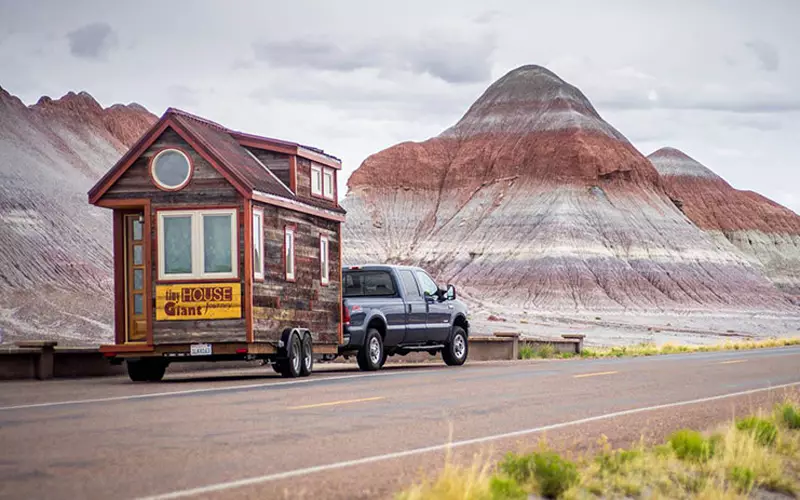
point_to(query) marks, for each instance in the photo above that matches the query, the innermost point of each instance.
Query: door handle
(409, 308)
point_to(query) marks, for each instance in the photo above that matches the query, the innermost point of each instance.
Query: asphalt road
(345, 434)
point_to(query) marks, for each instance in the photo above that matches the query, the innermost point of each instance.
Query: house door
(135, 294)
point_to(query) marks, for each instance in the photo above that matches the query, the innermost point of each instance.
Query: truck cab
(394, 310)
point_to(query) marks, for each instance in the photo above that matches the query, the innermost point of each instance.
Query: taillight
(345, 315)
(241, 350)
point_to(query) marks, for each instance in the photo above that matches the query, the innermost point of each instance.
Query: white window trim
(287, 231)
(154, 172)
(329, 173)
(324, 260)
(318, 191)
(198, 255)
(258, 236)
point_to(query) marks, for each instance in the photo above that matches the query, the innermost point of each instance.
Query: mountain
(767, 233)
(55, 250)
(533, 201)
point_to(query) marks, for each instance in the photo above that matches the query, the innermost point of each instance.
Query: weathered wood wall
(305, 303)
(304, 184)
(278, 163)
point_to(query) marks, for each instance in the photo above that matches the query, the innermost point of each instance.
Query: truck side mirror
(450, 294)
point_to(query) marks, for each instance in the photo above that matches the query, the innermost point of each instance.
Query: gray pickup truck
(395, 310)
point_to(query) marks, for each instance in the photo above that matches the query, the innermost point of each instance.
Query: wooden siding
(278, 163)
(304, 183)
(207, 186)
(305, 302)
(179, 332)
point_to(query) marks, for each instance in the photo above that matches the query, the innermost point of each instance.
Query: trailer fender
(283, 345)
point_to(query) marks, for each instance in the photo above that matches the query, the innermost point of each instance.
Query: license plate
(200, 349)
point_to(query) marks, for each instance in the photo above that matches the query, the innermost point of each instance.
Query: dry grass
(735, 461)
(649, 349)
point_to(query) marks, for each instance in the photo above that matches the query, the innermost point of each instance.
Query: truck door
(438, 324)
(416, 309)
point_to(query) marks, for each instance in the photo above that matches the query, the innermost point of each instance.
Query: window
(410, 285)
(429, 287)
(327, 184)
(288, 252)
(258, 244)
(196, 244)
(324, 265)
(316, 180)
(171, 169)
(368, 284)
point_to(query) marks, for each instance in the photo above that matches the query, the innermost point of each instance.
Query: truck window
(368, 284)
(429, 286)
(410, 285)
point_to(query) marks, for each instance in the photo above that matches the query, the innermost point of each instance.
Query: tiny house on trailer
(227, 246)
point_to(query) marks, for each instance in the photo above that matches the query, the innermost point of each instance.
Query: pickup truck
(394, 310)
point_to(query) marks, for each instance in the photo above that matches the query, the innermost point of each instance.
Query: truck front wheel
(455, 352)
(371, 355)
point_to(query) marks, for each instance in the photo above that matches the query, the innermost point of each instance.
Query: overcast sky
(718, 79)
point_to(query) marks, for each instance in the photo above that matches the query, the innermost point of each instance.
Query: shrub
(763, 431)
(613, 462)
(790, 415)
(691, 445)
(553, 475)
(506, 488)
(743, 478)
(527, 352)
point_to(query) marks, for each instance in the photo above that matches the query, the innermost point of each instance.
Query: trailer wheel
(308, 355)
(290, 367)
(371, 355)
(146, 370)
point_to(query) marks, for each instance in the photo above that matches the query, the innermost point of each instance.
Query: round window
(171, 169)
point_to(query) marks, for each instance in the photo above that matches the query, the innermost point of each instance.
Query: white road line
(212, 488)
(212, 389)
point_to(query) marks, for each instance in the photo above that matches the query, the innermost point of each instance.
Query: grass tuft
(790, 415)
(547, 471)
(691, 445)
(763, 430)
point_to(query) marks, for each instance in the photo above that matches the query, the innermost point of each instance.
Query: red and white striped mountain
(55, 250)
(532, 201)
(766, 232)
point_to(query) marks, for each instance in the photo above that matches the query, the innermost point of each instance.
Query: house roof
(225, 150)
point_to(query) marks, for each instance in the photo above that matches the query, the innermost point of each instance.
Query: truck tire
(146, 370)
(455, 352)
(291, 365)
(307, 364)
(371, 355)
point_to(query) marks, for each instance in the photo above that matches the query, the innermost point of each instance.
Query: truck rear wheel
(455, 352)
(371, 355)
(308, 355)
(291, 365)
(146, 370)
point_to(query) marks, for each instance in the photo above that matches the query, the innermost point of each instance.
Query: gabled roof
(224, 149)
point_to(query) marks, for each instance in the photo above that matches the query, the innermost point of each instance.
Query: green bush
(553, 474)
(743, 478)
(763, 431)
(691, 445)
(613, 462)
(791, 417)
(527, 352)
(506, 488)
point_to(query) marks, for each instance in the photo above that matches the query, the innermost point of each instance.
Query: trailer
(226, 246)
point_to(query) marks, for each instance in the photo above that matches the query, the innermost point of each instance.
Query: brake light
(242, 350)
(345, 315)
(355, 268)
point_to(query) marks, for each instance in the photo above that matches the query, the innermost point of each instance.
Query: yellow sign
(206, 301)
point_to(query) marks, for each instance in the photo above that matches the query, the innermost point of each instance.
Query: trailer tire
(290, 367)
(371, 356)
(307, 364)
(455, 352)
(146, 370)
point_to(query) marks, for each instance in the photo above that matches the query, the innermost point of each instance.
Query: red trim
(263, 256)
(132, 203)
(153, 177)
(119, 277)
(259, 143)
(188, 281)
(327, 240)
(248, 269)
(338, 270)
(126, 348)
(289, 228)
(305, 209)
(293, 174)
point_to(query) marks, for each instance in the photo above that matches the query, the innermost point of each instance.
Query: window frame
(290, 230)
(316, 169)
(420, 284)
(197, 247)
(324, 264)
(152, 169)
(258, 236)
(329, 172)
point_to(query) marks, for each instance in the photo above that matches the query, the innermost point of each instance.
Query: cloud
(445, 54)
(766, 53)
(92, 41)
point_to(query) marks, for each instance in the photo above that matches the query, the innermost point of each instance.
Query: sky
(719, 80)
